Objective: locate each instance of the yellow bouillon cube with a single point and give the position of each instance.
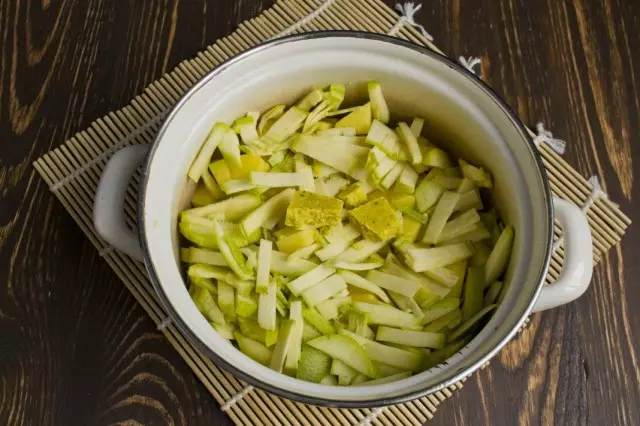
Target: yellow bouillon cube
(376, 219)
(314, 210)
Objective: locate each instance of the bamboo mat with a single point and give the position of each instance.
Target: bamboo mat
(72, 172)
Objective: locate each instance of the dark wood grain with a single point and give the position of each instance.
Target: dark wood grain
(75, 348)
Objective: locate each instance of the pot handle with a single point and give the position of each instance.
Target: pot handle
(108, 206)
(578, 258)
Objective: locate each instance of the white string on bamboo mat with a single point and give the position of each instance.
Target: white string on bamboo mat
(305, 19)
(112, 149)
(407, 11)
(596, 193)
(544, 136)
(371, 416)
(164, 324)
(236, 398)
(470, 63)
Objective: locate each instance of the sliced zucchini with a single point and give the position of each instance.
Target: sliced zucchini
(282, 345)
(378, 104)
(203, 158)
(345, 349)
(499, 257)
(410, 141)
(314, 365)
(388, 315)
(253, 349)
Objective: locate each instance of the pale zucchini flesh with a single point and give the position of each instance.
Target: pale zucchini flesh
(361, 250)
(264, 265)
(440, 216)
(230, 148)
(279, 354)
(429, 258)
(310, 279)
(393, 283)
(345, 373)
(388, 354)
(267, 308)
(378, 104)
(315, 319)
(309, 332)
(230, 209)
(330, 308)
(206, 151)
(246, 306)
(226, 299)
(295, 346)
(473, 288)
(253, 349)
(440, 309)
(225, 331)
(427, 194)
(200, 255)
(388, 315)
(273, 206)
(358, 281)
(493, 292)
(231, 252)
(345, 349)
(445, 322)
(207, 305)
(281, 264)
(313, 365)
(416, 127)
(329, 380)
(281, 282)
(499, 257)
(411, 142)
(407, 181)
(324, 290)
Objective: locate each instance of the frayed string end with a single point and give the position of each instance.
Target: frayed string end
(596, 192)
(544, 136)
(371, 416)
(236, 398)
(470, 63)
(164, 324)
(594, 181)
(407, 12)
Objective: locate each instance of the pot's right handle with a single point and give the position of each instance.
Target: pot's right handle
(108, 205)
(578, 258)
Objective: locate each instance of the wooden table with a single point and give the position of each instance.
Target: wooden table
(75, 349)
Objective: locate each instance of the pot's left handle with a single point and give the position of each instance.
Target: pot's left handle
(108, 206)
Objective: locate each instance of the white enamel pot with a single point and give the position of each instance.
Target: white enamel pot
(462, 112)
